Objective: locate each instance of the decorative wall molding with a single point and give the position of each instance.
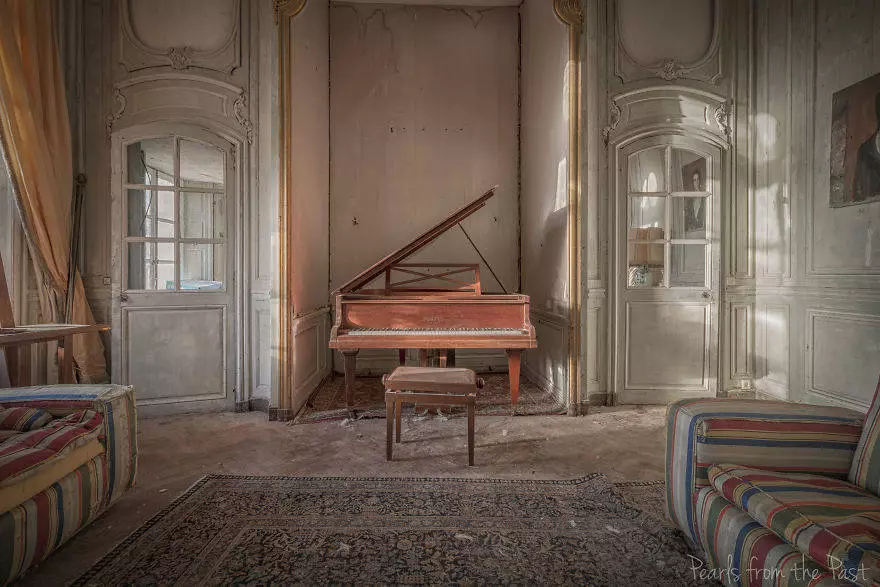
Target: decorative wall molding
(120, 100)
(722, 118)
(538, 365)
(613, 120)
(240, 110)
(570, 12)
(645, 111)
(707, 68)
(183, 96)
(846, 379)
(740, 342)
(136, 54)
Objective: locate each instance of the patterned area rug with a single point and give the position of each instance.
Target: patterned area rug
(308, 530)
(328, 401)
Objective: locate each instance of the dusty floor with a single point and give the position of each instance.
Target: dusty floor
(627, 444)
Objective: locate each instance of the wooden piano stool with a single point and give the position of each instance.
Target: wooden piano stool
(429, 386)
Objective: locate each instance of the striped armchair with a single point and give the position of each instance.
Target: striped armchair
(775, 493)
(67, 452)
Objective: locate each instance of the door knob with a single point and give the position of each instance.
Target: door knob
(123, 297)
(707, 294)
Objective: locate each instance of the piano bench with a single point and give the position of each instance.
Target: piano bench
(429, 386)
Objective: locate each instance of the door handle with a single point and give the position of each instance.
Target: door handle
(707, 294)
(123, 298)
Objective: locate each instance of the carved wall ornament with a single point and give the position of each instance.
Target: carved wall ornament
(136, 53)
(570, 12)
(670, 69)
(706, 68)
(287, 7)
(111, 119)
(179, 57)
(613, 120)
(722, 117)
(240, 113)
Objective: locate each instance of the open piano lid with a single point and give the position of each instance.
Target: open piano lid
(423, 239)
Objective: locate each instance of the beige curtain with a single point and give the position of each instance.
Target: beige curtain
(35, 129)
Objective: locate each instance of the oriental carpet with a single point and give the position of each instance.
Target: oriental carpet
(317, 530)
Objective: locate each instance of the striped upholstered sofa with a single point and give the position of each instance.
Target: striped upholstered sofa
(776, 493)
(67, 452)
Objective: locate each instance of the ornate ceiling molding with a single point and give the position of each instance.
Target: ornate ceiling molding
(707, 68)
(570, 12)
(136, 54)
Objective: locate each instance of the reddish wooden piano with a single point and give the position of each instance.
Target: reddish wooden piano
(429, 306)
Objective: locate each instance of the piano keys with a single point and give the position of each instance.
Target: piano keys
(433, 307)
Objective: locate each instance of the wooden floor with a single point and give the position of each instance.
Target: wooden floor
(624, 443)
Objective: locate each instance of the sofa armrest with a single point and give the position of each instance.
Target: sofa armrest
(116, 403)
(773, 435)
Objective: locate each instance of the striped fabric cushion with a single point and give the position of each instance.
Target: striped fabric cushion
(834, 522)
(30, 531)
(28, 450)
(744, 553)
(23, 419)
(780, 436)
(865, 470)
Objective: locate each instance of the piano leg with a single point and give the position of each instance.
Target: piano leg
(401, 355)
(350, 364)
(443, 358)
(513, 356)
(423, 357)
(450, 358)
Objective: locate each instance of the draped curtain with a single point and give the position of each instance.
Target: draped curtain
(35, 130)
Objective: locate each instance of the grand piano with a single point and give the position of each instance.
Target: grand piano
(430, 306)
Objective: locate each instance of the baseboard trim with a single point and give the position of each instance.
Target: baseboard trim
(280, 415)
(259, 404)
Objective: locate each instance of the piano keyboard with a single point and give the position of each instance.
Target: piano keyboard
(436, 331)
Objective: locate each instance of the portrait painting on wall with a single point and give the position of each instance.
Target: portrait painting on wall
(693, 179)
(855, 144)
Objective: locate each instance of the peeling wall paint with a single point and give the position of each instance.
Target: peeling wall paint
(424, 118)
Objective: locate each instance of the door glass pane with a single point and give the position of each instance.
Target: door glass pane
(687, 265)
(645, 265)
(201, 165)
(647, 217)
(202, 215)
(150, 266)
(647, 170)
(689, 217)
(202, 267)
(688, 172)
(149, 159)
(150, 213)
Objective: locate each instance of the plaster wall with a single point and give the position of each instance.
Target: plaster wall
(817, 267)
(309, 156)
(309, 163)
(424, 119)
(544, 148)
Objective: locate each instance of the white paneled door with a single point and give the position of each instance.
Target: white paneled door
(667, 265)
(173, 280)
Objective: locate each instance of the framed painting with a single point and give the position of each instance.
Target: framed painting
(855, 144)
(693, 179)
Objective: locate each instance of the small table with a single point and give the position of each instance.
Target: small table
(429, 386)
(20, 337)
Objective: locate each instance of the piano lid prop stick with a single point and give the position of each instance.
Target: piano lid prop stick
(482, 258)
